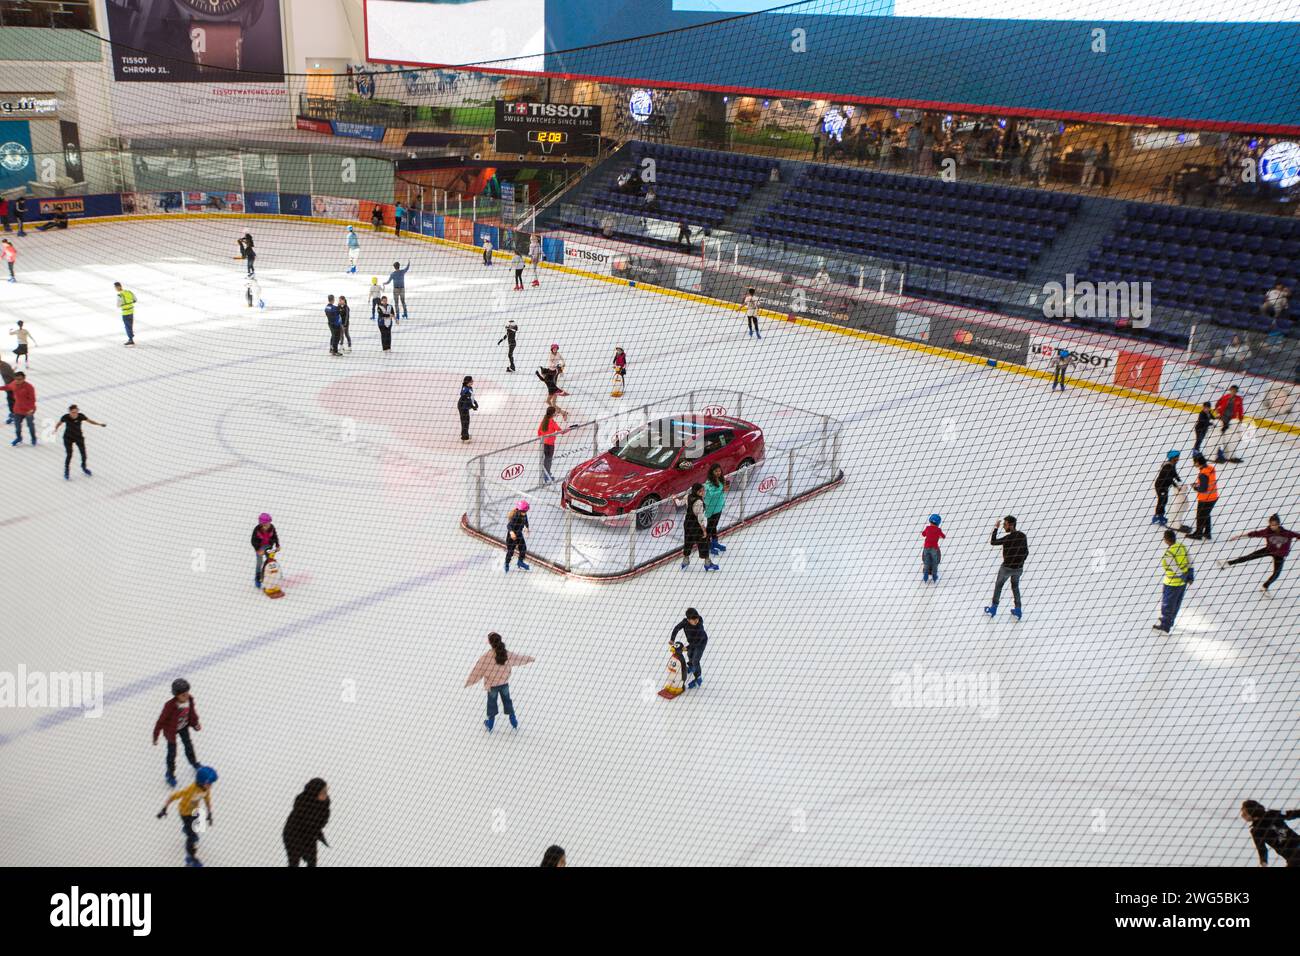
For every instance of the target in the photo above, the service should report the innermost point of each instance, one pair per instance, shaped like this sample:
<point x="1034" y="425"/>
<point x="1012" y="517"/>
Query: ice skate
<point x="991" y="610"/>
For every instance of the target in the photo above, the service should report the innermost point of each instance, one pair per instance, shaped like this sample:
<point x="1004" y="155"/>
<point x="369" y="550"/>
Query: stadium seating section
<point x="698" y="186"/>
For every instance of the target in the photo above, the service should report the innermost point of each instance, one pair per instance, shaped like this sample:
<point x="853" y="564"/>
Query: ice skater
<point x="493" y="669"/>
<point x="1178" y="571"/>
<point x="1015" y="549"/>
<point x="516" y="536"/>
<point x="512" y="331"/>
<point x="694" y="529"/>
<point x="354" y="250"/>
<point x="9" y="254"/>
<point x="399" y="214"/>
<point x="376" y="293"/>
<point x="930" y="556"/>
<point x="1229" y="409"/>
<point x="386" y="318"/>
<point x="555" y="362"/>
<point x="620" y="373"/>
<point x="1062" y="362"/>
<point x="305" y="826"/>
<point x="487" y="250"/>
<point x="553" y="391"/>
<point x="179" y="716"/>
<point x="697" y="639"/>
<point x="265" y="538"/>
<point x="465" y="404"/>
<point x="1207" y="496"/>
<point x="345" y="313"/>
<point x="247" y="252"/>
<point x="536" y="256"/>
<point x="126" y="305"/>
<point x="1268" y="829"/>
<point x="334" y="324"/>
<point x="751" y="313"/>
<point x="715" y="502"/>
<point x="553" y="857"/>
<point x="7" y="376"/>
<point x="72" y="438"/>
<point x="22" y="351"/>
<point x="517" y="264"/>
<point x="547" y="431"/>
<point x="190" y="797"/>
<point x="398" y="280"/>
<point x="1166" y="478"/>
<point x="1204" y="419"/>
<point x="1277" y="545"/>
<point x="24" y="407"/>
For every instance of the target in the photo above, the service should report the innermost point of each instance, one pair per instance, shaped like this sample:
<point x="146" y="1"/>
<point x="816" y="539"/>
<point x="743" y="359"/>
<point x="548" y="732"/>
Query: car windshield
<point x="657" y="444"/>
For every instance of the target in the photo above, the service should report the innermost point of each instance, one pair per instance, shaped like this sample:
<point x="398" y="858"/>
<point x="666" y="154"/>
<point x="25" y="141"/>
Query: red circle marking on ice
<point x="511" y="472"/>
<point x="715" y="410"/>
<point x="767" y="484"/>
<point x="662" y="528"/>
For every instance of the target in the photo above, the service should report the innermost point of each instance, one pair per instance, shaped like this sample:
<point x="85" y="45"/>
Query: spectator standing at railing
<point x="684" y="235"/>
<point x="20" y="213"/>
<point x="399" y="213"/>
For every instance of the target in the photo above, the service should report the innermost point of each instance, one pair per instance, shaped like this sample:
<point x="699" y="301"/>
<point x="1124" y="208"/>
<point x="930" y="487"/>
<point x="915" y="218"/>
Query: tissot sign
<point x="551" y="129"/>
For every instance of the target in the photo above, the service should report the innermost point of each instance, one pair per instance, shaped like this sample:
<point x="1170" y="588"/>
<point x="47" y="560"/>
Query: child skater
<point x="517" y="264"/>
<point x="189" y="797"/>
<point x="493" y="669"/>
<point x="516" y="527"/>
<point x="265" y="538"/>
<point x="620" y="373"/>
<point x="354" y="250"/>
<point x="179" y="716"/>
<point x="930" y="556"/>
<point x="511" y="334"/>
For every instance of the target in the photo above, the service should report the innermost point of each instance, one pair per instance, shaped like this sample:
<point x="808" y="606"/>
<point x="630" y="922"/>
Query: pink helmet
<point x="264" y="518"/>
<point x="523" y="506"/>
<point x="555" y="347"/>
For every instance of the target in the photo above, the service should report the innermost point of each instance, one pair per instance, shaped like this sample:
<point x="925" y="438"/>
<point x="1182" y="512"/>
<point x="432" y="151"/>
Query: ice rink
<point x="1094" y="740"/>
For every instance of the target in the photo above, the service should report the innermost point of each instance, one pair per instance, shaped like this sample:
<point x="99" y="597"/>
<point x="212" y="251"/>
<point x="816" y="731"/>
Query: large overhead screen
<point x="1215" y="62"/>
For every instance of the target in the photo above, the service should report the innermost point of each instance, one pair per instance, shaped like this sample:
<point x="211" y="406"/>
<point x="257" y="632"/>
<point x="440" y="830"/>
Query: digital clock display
<point x="547" y="136"/>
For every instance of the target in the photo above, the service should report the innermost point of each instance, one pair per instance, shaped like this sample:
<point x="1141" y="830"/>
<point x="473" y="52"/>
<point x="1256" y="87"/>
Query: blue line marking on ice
<point x="222" y="655"/>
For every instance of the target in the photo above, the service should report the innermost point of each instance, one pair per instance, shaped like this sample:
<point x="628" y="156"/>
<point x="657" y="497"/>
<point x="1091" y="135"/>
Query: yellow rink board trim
<point x="874" y="337"/>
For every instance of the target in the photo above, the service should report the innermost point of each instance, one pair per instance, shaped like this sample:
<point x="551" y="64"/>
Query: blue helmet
<point x="205" y="776"/>
<point x="350" y="229"/>
<point x="1063" y="352"/>
<point x="936" y="519"/>
<point x="1172" y="453"/>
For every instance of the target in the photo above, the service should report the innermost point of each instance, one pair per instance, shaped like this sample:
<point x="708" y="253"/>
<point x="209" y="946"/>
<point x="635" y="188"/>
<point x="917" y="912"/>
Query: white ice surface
<point x="1109" y="744"/>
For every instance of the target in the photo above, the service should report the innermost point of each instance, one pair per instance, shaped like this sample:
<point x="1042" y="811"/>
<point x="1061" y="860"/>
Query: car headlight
<point x="623" y="498"/>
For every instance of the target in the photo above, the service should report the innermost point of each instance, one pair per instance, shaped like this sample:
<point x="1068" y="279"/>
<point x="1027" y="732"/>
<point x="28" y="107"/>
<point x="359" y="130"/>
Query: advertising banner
<point x="1002" y="345"/>
<point x="71" y="139"/>
<point x="265" y="203"/>
<point x="1091" y="364"/>
<point x="1137" y="371"/>
<point x="457" y="230"/>
<point x="214" y="202"/>
<point x="16" y="166"/>
<point x="357" y="130"/>
<point x="335" y="207"/>
<point x="71" y="206"/>
<point x="146" y="204"/>
<point x="313" y="125"/>
<point x="482" y="231"/>
<point x="295" y="204"/>
<point x="549" y="129"/>
<point x="190" y="41"/>
<point x="578" y="255"/>
<point x="431" y="225"/>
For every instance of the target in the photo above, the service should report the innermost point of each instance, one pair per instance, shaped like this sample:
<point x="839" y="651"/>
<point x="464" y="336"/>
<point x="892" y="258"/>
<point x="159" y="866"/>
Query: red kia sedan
<point x="658" y="461"/>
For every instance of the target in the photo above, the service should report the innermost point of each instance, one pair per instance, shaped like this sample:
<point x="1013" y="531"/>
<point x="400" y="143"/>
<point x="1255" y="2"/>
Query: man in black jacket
<point x="1015" y="548"/>
<point x="1268" y="828"/>
<point x="1166" y="479"/>
<point x="692" y="625"/>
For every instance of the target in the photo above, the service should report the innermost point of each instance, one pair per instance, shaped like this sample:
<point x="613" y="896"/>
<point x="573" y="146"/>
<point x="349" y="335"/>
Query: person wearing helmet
<point x="464" y="404"/>
<point x="189" y="797"/>
<point x="930" y="556"/>
<point x="697" y="639"/>
<point x="179" y="716"/>
<point x="1166" y="478"/>
<point x="1207" y="496"/>
<point x="376" y="293"/>
<point x="1061" y="361"/>
<point x="354" y="251"/>
<point x="556" y="364"/>
<point x="264" y="537"/>
<point x="516" y="527"/>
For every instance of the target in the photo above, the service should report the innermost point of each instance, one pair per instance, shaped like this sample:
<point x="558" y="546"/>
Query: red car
<point x="660" y="460"/>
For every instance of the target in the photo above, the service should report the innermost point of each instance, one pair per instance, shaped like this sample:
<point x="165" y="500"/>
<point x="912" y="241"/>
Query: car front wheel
<point x="647" y="513"/>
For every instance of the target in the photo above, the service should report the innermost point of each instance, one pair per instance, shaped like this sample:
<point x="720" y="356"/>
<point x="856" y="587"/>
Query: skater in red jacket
<point x="24" y="410"/>
<point x="1229" y="409"/>
<point x="179" y="716"/>
<point x="931" y="536"/>
<point x="1277" y="545"/>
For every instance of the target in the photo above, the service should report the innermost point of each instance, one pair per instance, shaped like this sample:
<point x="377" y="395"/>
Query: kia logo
<point x="511" y="472"/>
<point x="767" y="484"/>
<point x="662" y="528"/>
<point x="714" y="410"/>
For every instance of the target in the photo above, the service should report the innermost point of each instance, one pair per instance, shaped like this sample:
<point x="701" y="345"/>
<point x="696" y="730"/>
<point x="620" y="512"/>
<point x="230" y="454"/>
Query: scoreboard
<point x="547" y="129"/>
